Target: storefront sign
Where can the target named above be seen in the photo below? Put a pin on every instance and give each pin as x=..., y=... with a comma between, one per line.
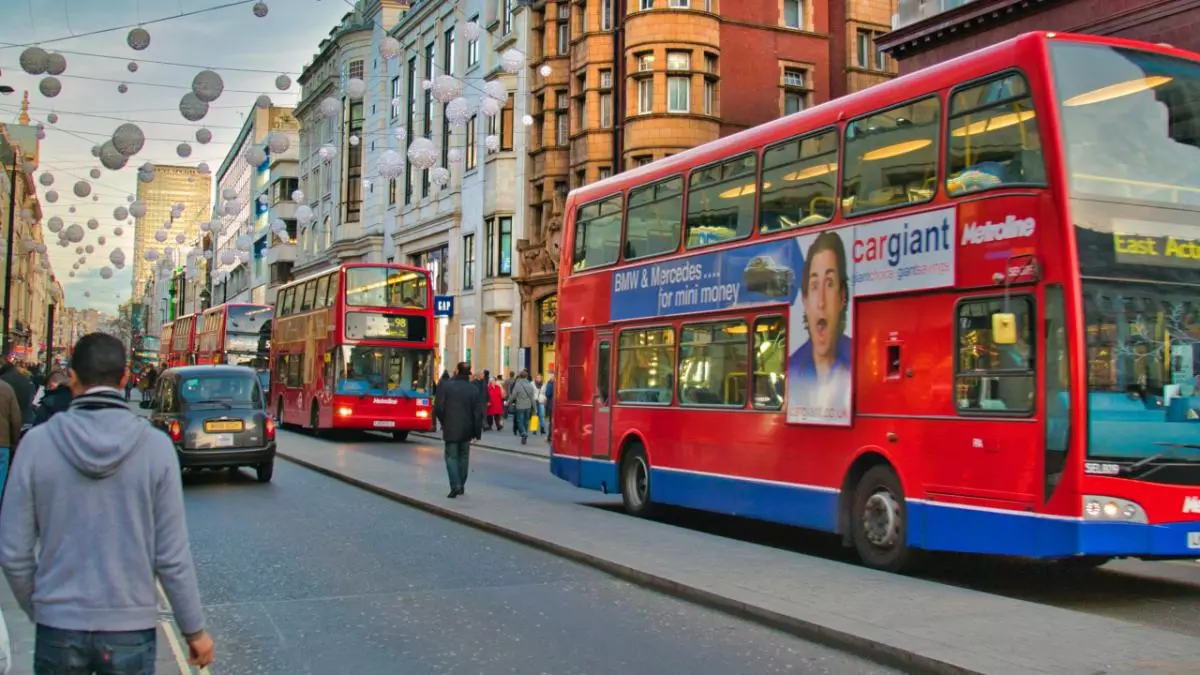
x=443, y=306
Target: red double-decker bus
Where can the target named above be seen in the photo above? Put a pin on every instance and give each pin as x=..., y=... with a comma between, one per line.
x=164, y=344
x=957, y=311
x=235, y=333
x=181, y=343
x=353, y=349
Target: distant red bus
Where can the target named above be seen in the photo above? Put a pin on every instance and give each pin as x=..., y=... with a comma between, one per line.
x=234, y=333
x=353, y=349
x=164, y=343
x=956, y=311
x=182, y=343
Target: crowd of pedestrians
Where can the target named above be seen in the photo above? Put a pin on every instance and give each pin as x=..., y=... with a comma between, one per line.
x=90, y=491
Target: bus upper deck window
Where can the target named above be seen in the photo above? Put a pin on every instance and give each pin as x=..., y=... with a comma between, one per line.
x=993, y=137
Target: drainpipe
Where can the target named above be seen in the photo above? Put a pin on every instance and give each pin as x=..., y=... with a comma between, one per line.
x=619, y=86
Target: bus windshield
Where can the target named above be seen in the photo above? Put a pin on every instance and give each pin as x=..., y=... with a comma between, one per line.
x=383, y=371
x=386, y=287
x=1131, y=123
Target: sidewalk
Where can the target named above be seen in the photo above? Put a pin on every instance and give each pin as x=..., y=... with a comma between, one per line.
x=916, y=624
x=505, y=441
x=21, y=631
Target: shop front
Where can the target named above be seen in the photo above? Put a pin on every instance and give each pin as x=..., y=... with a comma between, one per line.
x=547, y=322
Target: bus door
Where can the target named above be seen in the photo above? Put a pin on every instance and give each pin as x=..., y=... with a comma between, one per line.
x=601, y=397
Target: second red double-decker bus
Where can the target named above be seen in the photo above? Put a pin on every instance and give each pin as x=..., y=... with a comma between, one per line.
x=958, y=311
x=353, y=349
x=181, y=347
x=235, y=333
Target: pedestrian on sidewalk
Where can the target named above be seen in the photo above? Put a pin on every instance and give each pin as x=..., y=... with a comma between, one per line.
x=522, y=399
x=445, y=378
x=10, y=431
x=460, y=410
x=56, y=400
x=510, y=411
x=22, y=386
x=495, y=404
x=94, y=514
x=548, y=394
x=540, y=403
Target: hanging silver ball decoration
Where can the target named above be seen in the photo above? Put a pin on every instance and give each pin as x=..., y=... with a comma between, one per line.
x=33, y=60
x=129, y=139
x=440, y=176
x=56, y=64
x=94, y=173
x=50, y=87
x=46, y=179
x=260, y=9
x=52, y=118
x=203, y=136
x=183, y=150
x=132, y=66
x=122, y=88
x=331, y=107
x=192, y=108
x=283, y=83
x=356, y=88
x=207, y=86
x=278, y=142
x=512, y=61
x=138, y=39
x=262, y=102
x=82, y=189
x=52, y=196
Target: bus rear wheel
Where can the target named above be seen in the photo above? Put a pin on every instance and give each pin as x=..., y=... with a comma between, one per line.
x=635, y=483
x=879, y=521
x=399, y=436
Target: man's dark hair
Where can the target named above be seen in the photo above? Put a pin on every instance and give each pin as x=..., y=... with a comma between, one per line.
x=99, y=360
x=828, y=241
x=463, y=368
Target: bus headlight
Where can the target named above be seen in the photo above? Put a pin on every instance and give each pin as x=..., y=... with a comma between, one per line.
x=1113, y=509
x=345, y=411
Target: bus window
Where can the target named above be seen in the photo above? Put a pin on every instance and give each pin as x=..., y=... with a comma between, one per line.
x=994, y=378
x=720, y=202
x=993, y=137
x=646, y=366
x=892, y=157
x=712, y=364
x=306, y=303
x=322, y=292
x=597, y=234
x=799, y=183
x=384, y=287
x=654, y=220
x=331, y=298
x=289, y=301
x=770, y=362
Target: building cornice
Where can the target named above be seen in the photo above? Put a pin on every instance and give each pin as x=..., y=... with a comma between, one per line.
x=952, y=24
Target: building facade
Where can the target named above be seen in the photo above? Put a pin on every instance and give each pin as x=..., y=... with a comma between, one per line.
x=260, y=194
x=171, y=185
x=330, y=166
x=931, y=31
x=617, y=84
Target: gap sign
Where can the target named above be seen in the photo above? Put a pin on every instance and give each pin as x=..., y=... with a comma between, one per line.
x=443, y=306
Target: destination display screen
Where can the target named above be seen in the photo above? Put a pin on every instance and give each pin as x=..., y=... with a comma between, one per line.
x=372, y=326
x=1133, y=248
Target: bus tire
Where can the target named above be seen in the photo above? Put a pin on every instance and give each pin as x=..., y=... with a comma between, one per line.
x=399, y=436
x=635, y=482
x=879, y=521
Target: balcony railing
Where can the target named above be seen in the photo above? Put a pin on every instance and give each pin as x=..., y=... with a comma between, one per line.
x=911, y=11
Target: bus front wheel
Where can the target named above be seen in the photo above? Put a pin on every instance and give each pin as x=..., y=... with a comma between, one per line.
x=635, y=483
x=880, y=521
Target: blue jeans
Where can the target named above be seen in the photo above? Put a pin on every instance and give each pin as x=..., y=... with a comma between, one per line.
x=458, y=460
x=521, y=421
x=77, y=652
x=5, y=460
x=549, y=413
x=541, y=413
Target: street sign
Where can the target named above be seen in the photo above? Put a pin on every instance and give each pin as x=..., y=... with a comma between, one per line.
x=443, y=306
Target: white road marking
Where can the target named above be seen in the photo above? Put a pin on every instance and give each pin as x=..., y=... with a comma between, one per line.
x=177, y=649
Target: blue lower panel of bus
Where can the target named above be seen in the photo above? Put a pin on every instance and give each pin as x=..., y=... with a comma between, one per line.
x=932, y=525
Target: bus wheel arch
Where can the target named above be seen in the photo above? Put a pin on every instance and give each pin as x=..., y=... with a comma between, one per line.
x=873, y=513
x=633, y=477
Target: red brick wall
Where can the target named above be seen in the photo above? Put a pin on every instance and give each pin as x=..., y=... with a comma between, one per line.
x=1176, y=22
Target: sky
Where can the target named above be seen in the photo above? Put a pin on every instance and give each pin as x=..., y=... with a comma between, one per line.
x=90, y=106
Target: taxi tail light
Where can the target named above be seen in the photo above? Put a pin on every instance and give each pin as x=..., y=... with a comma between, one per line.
x=175, y=430
x=269, y=428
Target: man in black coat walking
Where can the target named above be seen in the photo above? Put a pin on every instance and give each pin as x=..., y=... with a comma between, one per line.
x=459, y=408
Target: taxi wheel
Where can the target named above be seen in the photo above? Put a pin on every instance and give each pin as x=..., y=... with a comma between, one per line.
x=400, y=436
x=265, y=471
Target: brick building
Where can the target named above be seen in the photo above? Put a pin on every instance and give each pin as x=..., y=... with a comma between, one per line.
x=615, y=84
x=930, y=31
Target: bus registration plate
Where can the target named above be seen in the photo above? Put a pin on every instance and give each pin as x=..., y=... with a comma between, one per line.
x=384, y=424
x=1194, y=540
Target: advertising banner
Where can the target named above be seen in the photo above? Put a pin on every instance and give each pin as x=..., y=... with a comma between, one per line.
x=908, y=253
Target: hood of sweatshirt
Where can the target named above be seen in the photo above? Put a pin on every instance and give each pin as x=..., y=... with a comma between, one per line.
x=96, y=441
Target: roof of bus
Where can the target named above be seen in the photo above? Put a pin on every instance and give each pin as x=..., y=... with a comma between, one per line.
x=318, y=275
x=236, y=304
x=933, y=78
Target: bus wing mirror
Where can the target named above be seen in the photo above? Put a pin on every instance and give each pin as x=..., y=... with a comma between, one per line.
x=1004, y=328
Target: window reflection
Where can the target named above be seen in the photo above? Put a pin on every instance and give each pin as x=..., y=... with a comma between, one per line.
x=386, y=287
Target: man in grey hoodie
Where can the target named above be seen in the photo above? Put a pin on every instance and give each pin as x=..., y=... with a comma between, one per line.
x=99, y=489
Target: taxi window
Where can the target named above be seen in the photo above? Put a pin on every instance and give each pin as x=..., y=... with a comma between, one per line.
x=235, y=390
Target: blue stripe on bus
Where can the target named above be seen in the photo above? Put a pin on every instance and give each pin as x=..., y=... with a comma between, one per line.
x=932, y=525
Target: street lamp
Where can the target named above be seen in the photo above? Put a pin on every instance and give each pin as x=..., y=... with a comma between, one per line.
x=8, y=257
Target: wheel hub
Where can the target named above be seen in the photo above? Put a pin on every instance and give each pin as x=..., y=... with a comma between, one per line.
x=881, y=519
x=638, y=481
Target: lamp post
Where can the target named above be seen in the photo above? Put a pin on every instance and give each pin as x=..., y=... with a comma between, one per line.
x=8, y=257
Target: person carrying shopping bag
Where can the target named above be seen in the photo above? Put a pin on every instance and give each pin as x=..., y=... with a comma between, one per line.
x=522, y=398
x=540, y=406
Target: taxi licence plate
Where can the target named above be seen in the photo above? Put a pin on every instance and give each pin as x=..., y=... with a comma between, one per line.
x=384, y=424
x=1194, y=540
x=224, y=440
x=224, y=425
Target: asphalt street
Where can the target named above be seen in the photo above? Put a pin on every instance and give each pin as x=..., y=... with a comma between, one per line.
x=309, y=575
x=1160, y=594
